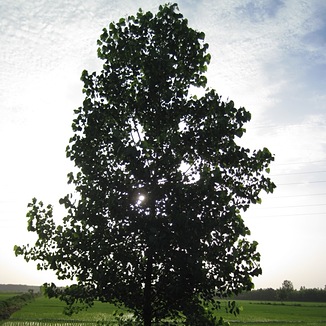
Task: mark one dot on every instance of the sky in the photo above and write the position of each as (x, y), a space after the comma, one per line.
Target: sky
(268, 56)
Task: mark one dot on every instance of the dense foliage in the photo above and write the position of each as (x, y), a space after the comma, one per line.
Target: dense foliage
(161, 181)
(9, 305)
(285, 294)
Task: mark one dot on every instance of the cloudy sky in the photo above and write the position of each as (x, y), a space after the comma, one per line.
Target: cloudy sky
(267, 55)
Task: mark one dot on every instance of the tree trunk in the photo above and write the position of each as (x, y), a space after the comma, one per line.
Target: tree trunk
(147, 311)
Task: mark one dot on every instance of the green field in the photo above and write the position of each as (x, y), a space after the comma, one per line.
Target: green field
(7, 295)
(49, 311)
(274, 313)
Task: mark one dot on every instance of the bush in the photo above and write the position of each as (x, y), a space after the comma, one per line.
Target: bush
(12, 304)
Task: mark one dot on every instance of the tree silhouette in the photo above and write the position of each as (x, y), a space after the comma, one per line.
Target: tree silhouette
(155, 223)
(286, 290)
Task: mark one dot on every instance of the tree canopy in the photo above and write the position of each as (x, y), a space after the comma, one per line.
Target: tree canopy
(155, 221)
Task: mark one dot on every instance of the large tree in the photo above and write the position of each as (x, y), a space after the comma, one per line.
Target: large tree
(286, 290)
(155, 220)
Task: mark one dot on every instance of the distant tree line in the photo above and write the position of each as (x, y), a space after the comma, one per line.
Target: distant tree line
(285, 293)
(19, 288)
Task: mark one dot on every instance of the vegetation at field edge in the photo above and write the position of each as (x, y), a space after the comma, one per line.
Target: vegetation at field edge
(11, 303)
(44, 311)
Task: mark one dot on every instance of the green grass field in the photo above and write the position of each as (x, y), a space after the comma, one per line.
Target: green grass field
(275, 313)
(50, 312)
(43, 311)
(7, 295)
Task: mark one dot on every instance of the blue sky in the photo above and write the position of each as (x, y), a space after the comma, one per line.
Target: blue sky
(268, 56)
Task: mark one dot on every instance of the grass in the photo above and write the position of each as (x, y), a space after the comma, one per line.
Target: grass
(43, 311)
(7, 295)
(275, 313)
(51, 310)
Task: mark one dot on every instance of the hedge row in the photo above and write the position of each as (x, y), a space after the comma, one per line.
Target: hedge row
(10, 305)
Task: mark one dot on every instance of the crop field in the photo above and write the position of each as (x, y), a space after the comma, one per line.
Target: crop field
(7, 295)
(44, 311)
(275, 313)
(48, 312)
